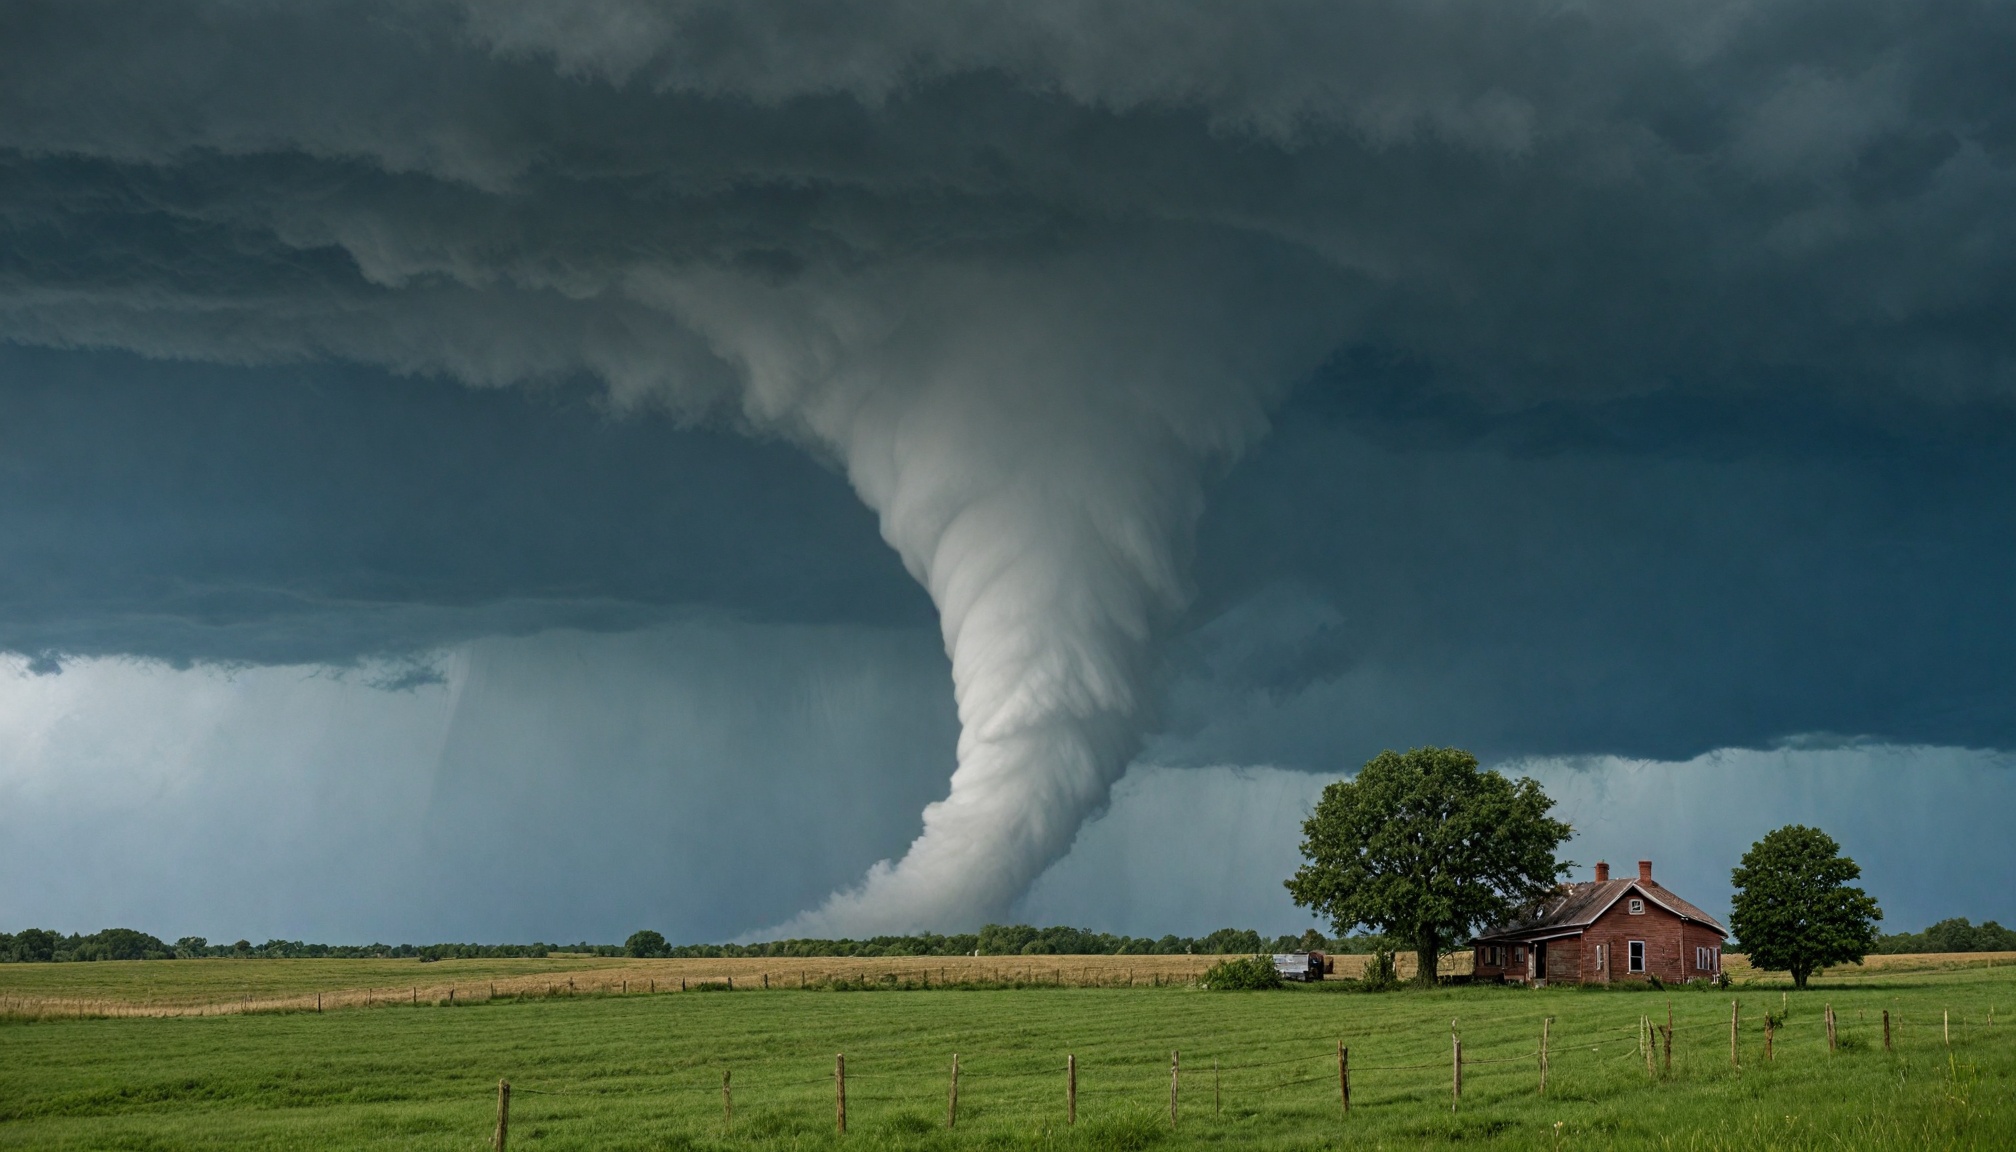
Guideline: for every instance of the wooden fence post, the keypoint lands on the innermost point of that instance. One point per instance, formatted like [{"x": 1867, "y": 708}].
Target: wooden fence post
[
  {"x": 727, "y": 1100},
  {"x": 503, "y": 1116},
  {"x": 1070, "y": 1090},
  {"x": 840, "y": 1092},
  {"x": 1830, "y": 1029},
  {"x": 1886, "y": 1030},
  {"x": 952, "y": 1101},
  {"x": 1174, "y": 1075},
  {"x": 1770, "y": 1026},
  {"x": 1734, "y": 1015},
  {"x": 1946, "y": 1026},
  {"x": 1546, "y": 1025},
  {"x": 1344, "y": 1076},
  {"x": 1455, "y": 1072},
  {"x": 318, "y": 1003},
  {"x": 1649, "y": 1033},
  {"x": 1669, "y": 1051}
]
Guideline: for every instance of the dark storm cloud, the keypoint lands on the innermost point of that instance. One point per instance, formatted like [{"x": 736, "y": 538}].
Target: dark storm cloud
[
  {"x": 1654, "y": 361},
  {"x": 322, "y": 515},
  {"x": 1531, "y": 201},
  {"x": 1654, "y": 577}
]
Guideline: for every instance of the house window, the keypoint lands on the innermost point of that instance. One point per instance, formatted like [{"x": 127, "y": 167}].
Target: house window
[
  {"x": 1637, "y": 955},
  {"x": 1637, "y": 907},
  {"x": 1602, "y": 951}
]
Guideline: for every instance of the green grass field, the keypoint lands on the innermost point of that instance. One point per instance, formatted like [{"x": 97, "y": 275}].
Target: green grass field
[{"x": 644, "y": 1072}]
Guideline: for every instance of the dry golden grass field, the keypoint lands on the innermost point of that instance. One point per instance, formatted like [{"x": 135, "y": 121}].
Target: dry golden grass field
[
  {"x": 213, "y": 987},
  {"x": 218, "y": 987},
  {"x": 223, "y": 986}
]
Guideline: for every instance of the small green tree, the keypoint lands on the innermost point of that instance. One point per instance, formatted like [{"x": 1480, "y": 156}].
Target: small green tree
[
  {"x": 1379, "y": 971},
  {"x": 1425, "y": 847},
  {"x": 1241, "y": 974},
  {"x": 645, "y": 943},
  {"x": 1794, "y": 909}
]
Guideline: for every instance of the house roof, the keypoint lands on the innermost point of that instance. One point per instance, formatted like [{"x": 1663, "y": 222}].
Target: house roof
[{"x": 1576, "y": 906}]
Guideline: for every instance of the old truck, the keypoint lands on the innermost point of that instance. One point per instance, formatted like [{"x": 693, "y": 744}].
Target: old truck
[{"x": 1301, "y": 965}]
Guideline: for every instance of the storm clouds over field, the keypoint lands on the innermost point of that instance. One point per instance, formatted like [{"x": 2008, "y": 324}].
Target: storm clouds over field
[{"x": 472, "y": 471}]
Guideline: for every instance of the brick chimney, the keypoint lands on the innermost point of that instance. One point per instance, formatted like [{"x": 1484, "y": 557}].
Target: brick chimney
[
  {"x": 1644, "y": 871},
  {"x": 1602, "y": 871}
]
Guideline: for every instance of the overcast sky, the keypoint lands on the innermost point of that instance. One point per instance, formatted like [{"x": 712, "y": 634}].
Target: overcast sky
[{"x": 472, "y": 472}]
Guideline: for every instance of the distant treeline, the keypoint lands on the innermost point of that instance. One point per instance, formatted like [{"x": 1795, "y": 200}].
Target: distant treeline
[
  {"x": 1955, "y": 935},
  {"x": 1014, "y": 940},
  {"x": 38, "y": 944}
]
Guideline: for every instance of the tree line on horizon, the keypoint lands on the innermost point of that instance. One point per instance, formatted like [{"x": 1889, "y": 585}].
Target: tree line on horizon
[
  {"x": 1012, "y": 940},
  {"x": 1955, "y": 935},
  {"x": 42, "y": 945},
  {"x": 34, "y": 945}
]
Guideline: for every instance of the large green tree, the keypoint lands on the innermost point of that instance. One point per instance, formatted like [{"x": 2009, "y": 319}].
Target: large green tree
[
  {"x": 1795, "y": 911},
  {"x": 1425, "y": 848}
]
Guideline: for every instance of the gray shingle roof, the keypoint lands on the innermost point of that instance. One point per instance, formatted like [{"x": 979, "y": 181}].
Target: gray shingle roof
[{"x": 1578, "y": 906}]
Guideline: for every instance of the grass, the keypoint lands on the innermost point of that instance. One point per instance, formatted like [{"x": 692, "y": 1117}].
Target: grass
[
  {"x": 193, "y": 982},
  {"x": 644, "y": 1072},
  {"x": 229, "y": 985}
]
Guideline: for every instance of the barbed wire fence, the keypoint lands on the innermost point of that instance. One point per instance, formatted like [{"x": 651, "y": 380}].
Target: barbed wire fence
[{"x": 1396, "y": 1084}]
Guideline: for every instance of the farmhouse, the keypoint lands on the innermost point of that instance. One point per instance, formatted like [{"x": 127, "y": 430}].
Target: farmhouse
[{"x": 1605, "y": 930}]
